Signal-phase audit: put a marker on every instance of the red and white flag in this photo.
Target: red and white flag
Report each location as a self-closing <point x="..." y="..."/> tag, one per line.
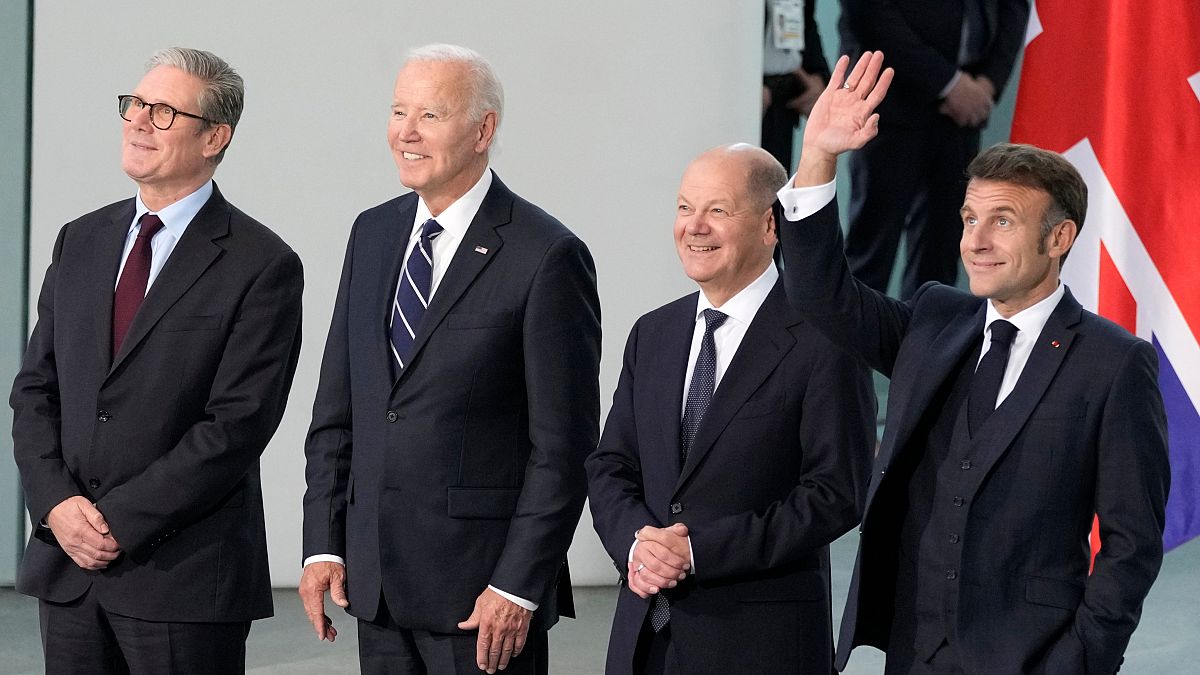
<point x="1114" y="85"/>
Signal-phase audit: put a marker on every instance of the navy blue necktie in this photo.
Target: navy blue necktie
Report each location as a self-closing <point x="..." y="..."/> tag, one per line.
<point x="412" y="294"/>
<point x="700" y="393"/>
<point x="985" y="385"/>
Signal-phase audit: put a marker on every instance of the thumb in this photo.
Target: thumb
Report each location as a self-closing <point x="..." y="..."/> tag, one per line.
<point x="337" y="592"/>
<point x="679" y="528"/>
<point x="471" y="623"/>
<point x="95" y="518"/>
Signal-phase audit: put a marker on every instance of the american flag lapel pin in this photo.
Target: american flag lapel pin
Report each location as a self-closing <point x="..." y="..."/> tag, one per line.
<point x="481" y="250"/>
<point x="1055" y="343"/>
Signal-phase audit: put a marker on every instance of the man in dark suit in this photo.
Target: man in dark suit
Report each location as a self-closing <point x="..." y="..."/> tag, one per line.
<point x="141" y="412"/>
<point x="1014" y="415"/>
<point x="717" y="505"/>
<point x="458" y="399"/>
<point x="794" y="72"/>
<point x="952" y="62"/>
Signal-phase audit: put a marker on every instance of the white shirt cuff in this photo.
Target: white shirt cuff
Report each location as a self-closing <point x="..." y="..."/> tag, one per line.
<point x="801" y="202"/>
<point x="520" y="602"/>
<point x="950" y="85"/>
<point x="324" y="557"/>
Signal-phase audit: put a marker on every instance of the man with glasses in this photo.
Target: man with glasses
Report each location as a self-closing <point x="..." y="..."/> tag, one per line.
<point x="167" y="335"/>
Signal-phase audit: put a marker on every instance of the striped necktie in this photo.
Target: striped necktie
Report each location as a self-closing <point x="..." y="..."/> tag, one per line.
<point x="412" y="294"/>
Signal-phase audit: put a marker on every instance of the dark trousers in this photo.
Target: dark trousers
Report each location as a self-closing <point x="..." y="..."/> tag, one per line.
<point x="779" y="121"/>
<point x="386" y="648"/>
<point x="909" y="179"/>
<point x="655" y="653"/>
<point x="82" y="637"/>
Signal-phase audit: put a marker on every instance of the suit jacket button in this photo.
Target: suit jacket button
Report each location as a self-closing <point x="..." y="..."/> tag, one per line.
<point x="103" y="415"/>
<point x="94" y="484"/>
<point x="676" y="508"/>
<point x="966" y="464"/>
<point x="392" y="416"/>
<point x="958" y="501"/>
<point x="953" y="538"/>
<point x="951" y="575"/>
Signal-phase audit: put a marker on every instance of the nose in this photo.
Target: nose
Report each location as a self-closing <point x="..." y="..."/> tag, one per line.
<point x="406" y="130"/>
<point x="976" y="238"/>
<point x="697" y="224"/>
<point x="139" y="117"/>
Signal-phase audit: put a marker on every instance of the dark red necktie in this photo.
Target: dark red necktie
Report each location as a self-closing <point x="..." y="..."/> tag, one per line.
<point x="131" y="288"/>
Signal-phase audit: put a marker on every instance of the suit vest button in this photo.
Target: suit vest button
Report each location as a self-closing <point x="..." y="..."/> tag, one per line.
<point x="676" y="508"/>
<point x="392" y="416"/>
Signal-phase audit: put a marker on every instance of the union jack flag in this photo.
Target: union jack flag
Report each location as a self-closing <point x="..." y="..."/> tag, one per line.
<point x="1115" y="86"/>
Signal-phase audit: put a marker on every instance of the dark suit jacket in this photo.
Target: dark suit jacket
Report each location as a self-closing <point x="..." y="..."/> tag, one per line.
<point x="1083" y="432"/>
<point x="920" y="39"/>
<point x="468" y="470"/>
<point x="776" y="473"/>
<point x="166" y="437"/>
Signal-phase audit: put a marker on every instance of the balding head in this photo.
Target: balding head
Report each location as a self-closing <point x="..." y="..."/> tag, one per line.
<point x="724" y="229"/>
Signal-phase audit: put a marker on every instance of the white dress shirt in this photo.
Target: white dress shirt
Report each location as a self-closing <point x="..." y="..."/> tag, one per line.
<point x="740" y="309"/>
<point x="455" y="220"/>
<point x="175" y="219"/>
<point x="800" y="203"/>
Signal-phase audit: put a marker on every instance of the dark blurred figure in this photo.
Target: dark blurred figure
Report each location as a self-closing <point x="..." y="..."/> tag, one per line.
<point x="794" y="72"/>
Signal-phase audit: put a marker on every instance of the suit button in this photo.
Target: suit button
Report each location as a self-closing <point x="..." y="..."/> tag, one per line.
<point x="953" y="538"/>
<point x="958" y="501"/>
<point x="966" y="464"/>
<point x="94" y="484"/>
<point x="103" y="415"/>
<point x="951" y="575"/>
<point x="392" y="416"/>
<point x="676" y="508"/>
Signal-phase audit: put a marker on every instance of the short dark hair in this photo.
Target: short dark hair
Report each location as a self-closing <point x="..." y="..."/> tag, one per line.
<point x="1044" y="170"/>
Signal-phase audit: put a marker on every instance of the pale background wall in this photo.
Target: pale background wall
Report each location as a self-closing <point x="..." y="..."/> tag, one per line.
<point x="606" y="104"/>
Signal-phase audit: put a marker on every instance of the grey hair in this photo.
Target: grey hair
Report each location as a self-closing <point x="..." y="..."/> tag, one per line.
<point x="485" y="91"/>
<point x="223" y="94"/>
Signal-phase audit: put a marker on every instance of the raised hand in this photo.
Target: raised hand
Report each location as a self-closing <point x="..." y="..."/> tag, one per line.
<point x="844" y="117"/>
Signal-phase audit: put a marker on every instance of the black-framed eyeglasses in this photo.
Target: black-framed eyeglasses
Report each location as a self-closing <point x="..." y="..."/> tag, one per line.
<point x="162" y="116"/>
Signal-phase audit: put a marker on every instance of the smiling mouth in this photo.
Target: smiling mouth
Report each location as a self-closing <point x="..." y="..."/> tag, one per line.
<point x="702" y="249"/>
<point x="413" y="156"/>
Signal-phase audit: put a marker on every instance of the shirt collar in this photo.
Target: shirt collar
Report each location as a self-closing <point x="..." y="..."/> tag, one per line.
<point x="458" y="216"/>
<point x="177" y="216"/>
<point x="744" y="305"/>
<point x="1029" y="321"/>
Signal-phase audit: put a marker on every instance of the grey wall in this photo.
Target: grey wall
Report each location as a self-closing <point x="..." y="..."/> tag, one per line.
<point x="606" y="103"/>
<point x="15" y="34"/>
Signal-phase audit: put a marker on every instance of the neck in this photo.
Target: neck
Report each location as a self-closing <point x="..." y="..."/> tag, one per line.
<point x="441" y="200"/>
<point x="159" y="197"/>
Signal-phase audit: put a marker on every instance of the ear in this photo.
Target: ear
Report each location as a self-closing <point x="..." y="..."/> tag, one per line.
<point x="770" y="227"/>
<point x="1061" y="238"/>
<point x="487" y="131"/>
<point x="216" y="139"/>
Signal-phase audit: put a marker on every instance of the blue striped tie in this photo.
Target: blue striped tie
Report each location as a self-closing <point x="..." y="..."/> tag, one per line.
<point x="412" y="294"/>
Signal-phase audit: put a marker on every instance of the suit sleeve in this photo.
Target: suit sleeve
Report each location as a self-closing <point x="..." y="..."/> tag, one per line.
<point x="1010" y="36"/>
<point x="614" y="469"/>
<point x="819" y="285"/>
<point x="836" y="437"/>
<point x="37" y="442"/>
<point x="244" y="408"/>
<point x="1132" y="480"/>
<point x="561" y="344"/>
<point x="330" y="442"/>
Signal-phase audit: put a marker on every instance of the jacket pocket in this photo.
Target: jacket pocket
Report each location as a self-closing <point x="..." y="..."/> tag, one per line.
<point x="482" y="502"/>
<point x="1053" y="592"/>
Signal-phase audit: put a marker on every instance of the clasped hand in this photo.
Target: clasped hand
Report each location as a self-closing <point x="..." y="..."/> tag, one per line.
<point x="83" y="533"/>
<point x="661" y="559"/>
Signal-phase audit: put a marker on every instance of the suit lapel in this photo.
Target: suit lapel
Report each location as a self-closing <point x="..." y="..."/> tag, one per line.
<point x="670" y="360"/>
<point x="998" y="432"/>
<point x="194" y="253"/>
<point x="468" y="261"/>
<point x="910" y="396"/>
<point x="768" y="339"/>
<point x="393" y="242"/>
<point x="102" y="282"/>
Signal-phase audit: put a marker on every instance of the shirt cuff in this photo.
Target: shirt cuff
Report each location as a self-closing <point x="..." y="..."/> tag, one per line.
<point x="801" y="202"/>
<point x="324" y="557"/>
<point x="520" y="602"/>
<point x="950" y="85"/>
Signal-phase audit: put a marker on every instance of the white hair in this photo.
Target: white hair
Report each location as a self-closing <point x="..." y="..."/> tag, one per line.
<point x="485" y="90"/>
